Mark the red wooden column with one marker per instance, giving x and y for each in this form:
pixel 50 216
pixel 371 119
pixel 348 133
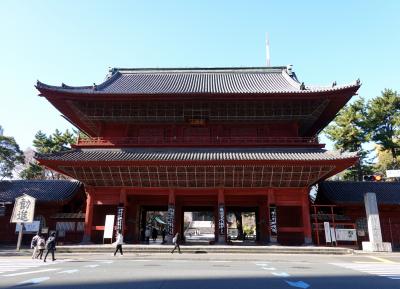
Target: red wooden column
pixel 221 238
pixel 171 216
pixel 306 217
pixel 264 226
pixel 88 215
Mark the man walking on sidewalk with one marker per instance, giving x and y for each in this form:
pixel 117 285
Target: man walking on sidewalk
pixel 119 242
pixel 51 246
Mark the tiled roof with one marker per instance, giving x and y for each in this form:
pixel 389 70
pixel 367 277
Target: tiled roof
pixel 42 190
pixel 353 192
pixel 196 80
pixel 195 154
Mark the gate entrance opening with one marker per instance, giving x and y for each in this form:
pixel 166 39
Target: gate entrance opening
pixel 153 220
pixel 242 225
pixel 199 225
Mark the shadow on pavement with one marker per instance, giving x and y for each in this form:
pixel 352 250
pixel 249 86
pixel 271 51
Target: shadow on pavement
pixel 320 282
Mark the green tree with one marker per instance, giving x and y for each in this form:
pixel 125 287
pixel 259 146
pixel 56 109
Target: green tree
pixel 10 156
pixel 348 132
pixel 56 142
pixel 383 123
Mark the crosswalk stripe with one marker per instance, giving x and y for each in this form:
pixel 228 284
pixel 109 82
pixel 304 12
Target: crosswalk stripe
pixel 30 272
pixel 387 270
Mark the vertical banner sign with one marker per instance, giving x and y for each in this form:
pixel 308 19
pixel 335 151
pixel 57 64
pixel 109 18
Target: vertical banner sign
pixel 24 209
pixel 108 227
pixel 327 230
pixel 120 218
pixel 170 219
pixel 221 221
pixel 272 221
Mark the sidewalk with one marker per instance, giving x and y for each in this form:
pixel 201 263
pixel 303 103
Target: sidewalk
pixel 194 249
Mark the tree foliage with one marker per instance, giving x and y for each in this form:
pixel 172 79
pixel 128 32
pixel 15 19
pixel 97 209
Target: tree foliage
pixel 44 144
pixel 348 132
pixel 384 123
pixel 10 156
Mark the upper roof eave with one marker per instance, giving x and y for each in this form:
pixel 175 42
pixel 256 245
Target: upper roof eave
pixel 202 81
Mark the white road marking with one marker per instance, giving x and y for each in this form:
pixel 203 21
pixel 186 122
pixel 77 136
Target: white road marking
pixel 34 280
pixel 268 268
pixel 388 270
pixel 68 271
pixel 30 272
pixel 92 266
pixel 281 274
pixel 262 264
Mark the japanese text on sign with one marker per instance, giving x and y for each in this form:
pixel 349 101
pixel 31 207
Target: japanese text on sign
pixel 24 209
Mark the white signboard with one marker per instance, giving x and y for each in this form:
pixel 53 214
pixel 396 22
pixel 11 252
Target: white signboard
pixel 328 238
pixel 392 173
pixel 333 235
pixel 109 227
pixel 29 227
pixel 346 234
pixel 24 209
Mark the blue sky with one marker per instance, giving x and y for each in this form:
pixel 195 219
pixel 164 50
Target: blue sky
pixel 76 41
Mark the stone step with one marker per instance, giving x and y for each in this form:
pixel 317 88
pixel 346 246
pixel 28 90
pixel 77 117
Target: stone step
pixel 206 249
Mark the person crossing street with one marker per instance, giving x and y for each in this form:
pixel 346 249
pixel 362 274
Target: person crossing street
pixel 118 243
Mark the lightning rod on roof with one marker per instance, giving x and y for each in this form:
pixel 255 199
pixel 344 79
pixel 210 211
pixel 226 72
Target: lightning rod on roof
pixel 268 55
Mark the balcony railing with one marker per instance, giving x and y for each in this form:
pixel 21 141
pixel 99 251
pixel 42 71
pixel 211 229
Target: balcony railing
pixel 196 141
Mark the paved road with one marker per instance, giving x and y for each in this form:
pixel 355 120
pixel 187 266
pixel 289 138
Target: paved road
pixel 194 271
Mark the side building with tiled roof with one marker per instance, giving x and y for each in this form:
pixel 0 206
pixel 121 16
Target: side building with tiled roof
pixel 347 199
pixel 213 140
pixel 60 206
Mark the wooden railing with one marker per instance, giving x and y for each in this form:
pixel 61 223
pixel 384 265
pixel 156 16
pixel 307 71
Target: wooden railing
pixel 195 141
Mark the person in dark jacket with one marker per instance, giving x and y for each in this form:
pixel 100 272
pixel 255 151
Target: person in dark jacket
pixel 163 233
pixel 51 246
pixel 176 242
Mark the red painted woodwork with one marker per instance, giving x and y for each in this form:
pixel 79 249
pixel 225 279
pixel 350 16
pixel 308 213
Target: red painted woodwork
pixel 263 120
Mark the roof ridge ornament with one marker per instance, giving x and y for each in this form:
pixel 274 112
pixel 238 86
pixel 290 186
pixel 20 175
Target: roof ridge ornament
pixel 94 86
pixel 302 86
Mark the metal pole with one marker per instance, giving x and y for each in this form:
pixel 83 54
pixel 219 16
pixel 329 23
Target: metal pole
pixel 20 234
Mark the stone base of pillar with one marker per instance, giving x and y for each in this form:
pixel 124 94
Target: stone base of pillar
pixel 376 247
pixel 221 240
pixel 308 241
pixel 273 240
pixel 86 240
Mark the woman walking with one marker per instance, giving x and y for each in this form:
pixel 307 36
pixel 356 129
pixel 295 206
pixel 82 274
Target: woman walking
pixel 176 242
pixel 41 246
pixel 119 242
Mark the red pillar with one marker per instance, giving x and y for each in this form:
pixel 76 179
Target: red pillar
pixel 306 217
pixel 88 216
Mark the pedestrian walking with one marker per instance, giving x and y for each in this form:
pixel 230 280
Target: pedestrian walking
pixel 154 234
pixel 41 246
pixel 118 243
pixel 176 241
pixel 163 233
pixel 51 246
pixel 34 243
pixel 147 235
